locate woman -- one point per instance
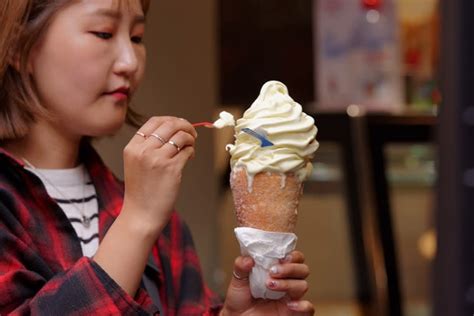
(73, 239)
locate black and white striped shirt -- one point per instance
(73, 190)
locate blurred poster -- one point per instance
(419, 38)
(358, 55)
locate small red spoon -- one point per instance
(205, 124)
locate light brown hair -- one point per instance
(22, 24)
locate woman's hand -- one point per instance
(289, 276)
(153, 163)
(153, 168)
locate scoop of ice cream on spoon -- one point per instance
(226, 119)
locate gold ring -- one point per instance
(141, 134)
(159, 138)
(175, 145)
(238, 277)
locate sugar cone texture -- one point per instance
(272, 203)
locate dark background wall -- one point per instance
(262, 40)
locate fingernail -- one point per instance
(273, 284)
(274, 270)
(248, 261)
(287, 259)
(292, 305)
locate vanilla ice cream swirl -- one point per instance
(277, 116)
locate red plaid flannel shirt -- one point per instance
(43, 271)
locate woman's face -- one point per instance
(89, 64)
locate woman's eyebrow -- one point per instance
(116, 15)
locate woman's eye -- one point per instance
(103, 35)
(137, 39)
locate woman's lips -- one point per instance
(119, 94)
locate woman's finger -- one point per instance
(295, 289)
(240, 274)
(140, 136)
(176, 143)
(303, 308)
(151, 125)
(293, 257)
(171, 126)
(183, 139)
(290, 271)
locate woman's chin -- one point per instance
(106, 129)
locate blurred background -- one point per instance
(370, 73)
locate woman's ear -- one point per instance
(14, 59)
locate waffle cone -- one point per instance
(271, 204)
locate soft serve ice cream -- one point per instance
(266, 181)
(276, 115)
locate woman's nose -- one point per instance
(127, 61)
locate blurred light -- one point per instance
(372, 16)
(427, 245)
(353, 110)
(371, 4)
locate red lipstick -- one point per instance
(121, 93)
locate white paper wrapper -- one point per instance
(265, 248)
